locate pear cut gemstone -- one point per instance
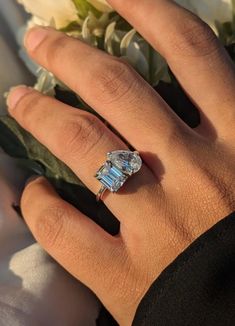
(128, 162)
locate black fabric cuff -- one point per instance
(198, 288)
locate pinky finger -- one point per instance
(83, 248)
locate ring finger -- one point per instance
(79, 139)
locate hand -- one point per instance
(187, 181)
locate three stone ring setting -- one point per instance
(119, 166)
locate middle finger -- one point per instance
(194, 54)
(111, 87)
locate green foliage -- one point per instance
(84, 7)
(74, 26)
(37, 159)
(18, 143)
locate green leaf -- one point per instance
(73, 26)
(37, 159)
(18, 143)
(84, 7)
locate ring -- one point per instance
(119, 166)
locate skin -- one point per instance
(187, 181)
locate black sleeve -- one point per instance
(198, 288)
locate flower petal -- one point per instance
(62, 12)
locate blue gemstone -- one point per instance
(111, 177)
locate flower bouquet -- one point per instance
(97, 24)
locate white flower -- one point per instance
(101, 5)
(211, 11)
(62, 12)
(103, 31)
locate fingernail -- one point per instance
(34, 37)
(31, 179)
(15, 94)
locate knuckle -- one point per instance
(193, 38)
(49, 226)
(115, 79)
(81, 135)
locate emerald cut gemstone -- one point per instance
(118, 167)
(111, 177)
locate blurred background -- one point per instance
(12, 69)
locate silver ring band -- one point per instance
(100, 193)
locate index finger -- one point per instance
(193, 52)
